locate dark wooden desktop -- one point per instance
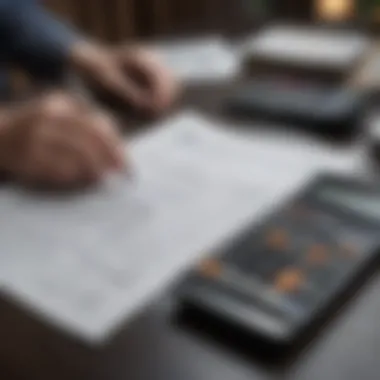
(154, 346)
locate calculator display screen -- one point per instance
(361, 203)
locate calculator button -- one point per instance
(349, 250)
(289, 280)
(277, 239)
(318, 255)
(266, 266)
(211, 268)
(300, 302)
(327, 222)
(324, 278)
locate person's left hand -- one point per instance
(133, 74)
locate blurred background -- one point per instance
(116, 20)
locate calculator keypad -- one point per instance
(301, 255)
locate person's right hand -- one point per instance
(58, 140)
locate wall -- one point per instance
(109, 20)
(118, 19)
(115, 20)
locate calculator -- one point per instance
(306, 104)
(278, 278)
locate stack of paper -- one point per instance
(88, 262)
(308, 46)
(201, 59)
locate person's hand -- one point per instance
(58, 140)
(133, 74)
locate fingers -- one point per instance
(59, 159)
(73, 151)
(109, 68)
(78, 160)
(60, 140)
(98, 136)
(123, 87)
(162, 86)
(165, 90)
(104, 132)
(47, 169)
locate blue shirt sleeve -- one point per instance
(35, 39)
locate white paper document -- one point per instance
(89, 261)
(308, 46)
(200, 59)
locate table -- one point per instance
(153, 346)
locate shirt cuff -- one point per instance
(40, 43)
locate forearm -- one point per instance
(7, 114)
(40, 43)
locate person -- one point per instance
(57, 138)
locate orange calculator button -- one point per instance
(349, 249)
(210, 268)
(289, 280)
(318, 255)
(277, 239)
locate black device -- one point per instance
(317, 107)
(373, 137)
(281, 276)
